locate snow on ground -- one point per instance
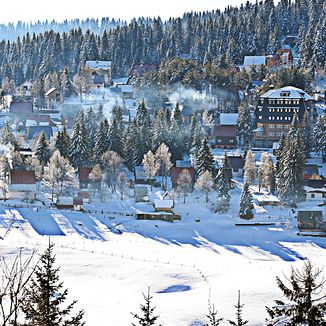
(108, 260)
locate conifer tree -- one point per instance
(160, 131)
(62, 142)
(223, 196)
(306, 135)
(270, 178)
(307, 301)
(205, 159)
(319, 141)
(115, 138)
(246, 204)
(101, 144)
(226, 161)
(250, 168)
(212, 317)
(279, 152)
(176, 142)
(244, 124)
(66, 85)
(45, 297)
(43, 149)
(240, 321)
(294, 126)
(148, 317)
(99, 114)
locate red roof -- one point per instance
(225, 131)
(22, 177)
(175, 172)
(83, 174)
(143, 67)
(39, 119)
(21, 107)
(78, 201)
(84, 194)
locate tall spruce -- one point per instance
(306, 134)
(246, 203)
(45, 296)
(223, 197)
(239, 321)
(244, 124)
(205, 159)
(43, 149)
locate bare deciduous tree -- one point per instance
(163, 157)
(151, 166)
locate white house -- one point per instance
(251, 61)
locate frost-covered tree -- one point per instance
(307, 304)
(306, 134)
(319, 141)
(222, 188)
(122, 184)
(62, 142)
(101, 144)
(261, 174)
(270, 176)
(205, 184)
(250, 169)
(45, 296)
(205, 159)
(110, 163)
(163, 157)
(184, 183)
(151, 166)
(246, 203)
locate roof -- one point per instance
(257, 83)
(114, 92)
(126, 88)
(273, 56)
(26, 81)
(293, 93)
(163, 203)
(99, 65)
(52, 90)
(84, 194)
(21, 107)
(187, 111)
(22, 177)
(316, 183)
(78, 201)
(225, 131)
(236, 162)
(175, 172)
(37, 129)
(290, 39)
(38, 120)
(228, 119)
(84, 173)
(311, 169)
(121, 80)
(254, 60)
(141, 68)
(308, 216)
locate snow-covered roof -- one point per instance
(254, 60)
(126, 88)
(288, 92)
(51, 91)
(229, 119)
(159, 203)
(121, 80)
(99, 65)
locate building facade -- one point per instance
(274, 113)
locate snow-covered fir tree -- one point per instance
(306, 134)
(115, 141)
(62, 142)
(319, 141)
(239, 321)
(246, 203)
(43, 149)
(244, 124)
(223, 197)
(205, 159)
(261, 174)
(270, 177)
(250, 169)
(101, 142)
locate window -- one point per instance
(312, 195)
(287, 126)
(279, 126)
(281, 110)
(285, 102)
(231, 140)
(285, 110)
(219, 140)
(278, 110)
(270, 118)
(277, 118)
(269, 110)
(285, 93)
(270, 134)
(281, 118)
(270, 102)
(258, 134)
(281, 102)
(260, 117)
(285, 118)
(271, 126)
(260, 125)
(285, 134)
(261, 101)
(278, 102)
(260, 109)
(279, 134)
(273, 118)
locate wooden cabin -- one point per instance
(162, 205)
(73, 203)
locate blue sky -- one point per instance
(33, 10)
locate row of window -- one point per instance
(281, 110)
(282, 102)
(220, 140)
(279, 126)
(278, 134)
(277, 118)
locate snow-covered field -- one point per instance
(204, 258)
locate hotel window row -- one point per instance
(282, 102)
(279, 126)
(281, 110)
(277, 118)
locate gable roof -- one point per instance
(254, 60)
(316, 183)
(22, 177)
(175, 172)
(36, 129)
(38, 120)
(309, 216)
(99, 65)
(52, 90)
(229, 119)
(21, 107)
(293, 93)
(311, 169)
(225, 131)
(84, 173)
(142, 68)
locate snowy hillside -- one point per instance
(108, 260)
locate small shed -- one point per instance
(74, 203)
(163, 216)
(308, 220)
(236, 163)
(165, 205)
(22, 184)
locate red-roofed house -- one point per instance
(225, 137)
(142, 68)
(175, 172)
(286, 56)
(273, 60)
(22, 184)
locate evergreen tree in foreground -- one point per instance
(43, 149)
(148, 318)
(212, 317)
(240, 321)
(42, 304)
(307, 302)
(246, 204)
